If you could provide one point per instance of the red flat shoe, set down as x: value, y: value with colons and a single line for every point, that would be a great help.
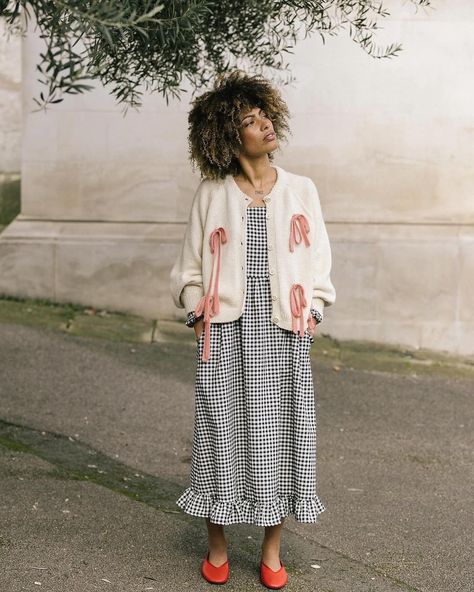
x: 213, y: 574
x: 271, y: 578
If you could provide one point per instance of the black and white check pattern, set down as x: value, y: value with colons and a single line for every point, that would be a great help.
x: 192, y: 319
x: 254, y: 445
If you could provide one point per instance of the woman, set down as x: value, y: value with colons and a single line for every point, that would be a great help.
x: 253, y: 275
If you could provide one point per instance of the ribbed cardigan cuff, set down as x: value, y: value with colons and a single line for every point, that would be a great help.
x: 191, y: 296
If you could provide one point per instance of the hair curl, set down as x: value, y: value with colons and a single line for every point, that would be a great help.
x: 213, y: 122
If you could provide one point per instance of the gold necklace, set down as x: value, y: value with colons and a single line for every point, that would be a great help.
x: 259, y: 191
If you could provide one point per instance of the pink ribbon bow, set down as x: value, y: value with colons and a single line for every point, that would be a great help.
x: 299, y: 228
x: 209, y: 303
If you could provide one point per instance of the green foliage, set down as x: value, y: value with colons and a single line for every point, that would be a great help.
x: 141, y: 44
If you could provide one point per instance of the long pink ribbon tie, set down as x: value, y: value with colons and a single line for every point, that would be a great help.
x: 209, y: 303
x: 297, y: 305
x: 299, y: 228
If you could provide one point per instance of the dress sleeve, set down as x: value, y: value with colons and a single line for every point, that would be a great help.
x: 192, y: 319
x: 318, y: 317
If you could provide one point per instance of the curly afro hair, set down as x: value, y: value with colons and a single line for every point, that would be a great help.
x: 214, y: 140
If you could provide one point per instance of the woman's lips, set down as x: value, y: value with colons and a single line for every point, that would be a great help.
x: 270, y: 137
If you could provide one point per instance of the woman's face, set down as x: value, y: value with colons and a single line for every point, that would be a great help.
x: 254, y: 128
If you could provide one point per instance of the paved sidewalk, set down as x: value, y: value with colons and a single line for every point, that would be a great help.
x: 95, y: 444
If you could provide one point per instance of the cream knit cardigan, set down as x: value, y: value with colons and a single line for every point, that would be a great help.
x: 209, y: 273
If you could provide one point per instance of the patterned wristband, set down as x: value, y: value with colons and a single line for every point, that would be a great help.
x: 193, y: 319
x: 318, y: 317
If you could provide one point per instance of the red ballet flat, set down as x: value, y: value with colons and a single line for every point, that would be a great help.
x: 271, y: 578
x: 213, y: 574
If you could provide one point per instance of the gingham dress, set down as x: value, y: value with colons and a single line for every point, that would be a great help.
x: 254, y: 446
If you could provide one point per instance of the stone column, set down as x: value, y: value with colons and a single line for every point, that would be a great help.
x: 104, y: 199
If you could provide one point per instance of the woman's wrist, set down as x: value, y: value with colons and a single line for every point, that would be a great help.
x: 198, y: 328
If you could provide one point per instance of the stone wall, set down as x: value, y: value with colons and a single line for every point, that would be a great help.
x: 105, y: 198
x: 10, y: 124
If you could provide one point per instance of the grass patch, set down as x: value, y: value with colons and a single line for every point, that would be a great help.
x: 76, y: 319
x: 87, y: 321
x: 370, y: 355
x: 76, y: 460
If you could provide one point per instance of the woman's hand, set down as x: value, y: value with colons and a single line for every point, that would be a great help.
x: 311, y: 325
x: 198, y: 328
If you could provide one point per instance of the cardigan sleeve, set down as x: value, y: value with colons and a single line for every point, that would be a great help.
x: 324, y: 293
x: 186, y: 283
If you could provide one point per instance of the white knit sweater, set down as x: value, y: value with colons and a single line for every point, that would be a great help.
x: 214, y: 243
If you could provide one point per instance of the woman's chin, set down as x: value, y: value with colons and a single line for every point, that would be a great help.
x: 271, y: 146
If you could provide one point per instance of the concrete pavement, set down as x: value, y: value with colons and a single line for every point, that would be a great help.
x: 95, y: 444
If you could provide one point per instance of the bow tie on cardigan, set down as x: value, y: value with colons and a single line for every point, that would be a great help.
x: 209, y: 304
x: 299, y: 228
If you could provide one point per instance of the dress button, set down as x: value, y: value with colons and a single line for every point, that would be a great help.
x: 276, y: 319
x: 274, y: 297
x: 269, y: 198
x: 271, y: 270
x: 270, y: 247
